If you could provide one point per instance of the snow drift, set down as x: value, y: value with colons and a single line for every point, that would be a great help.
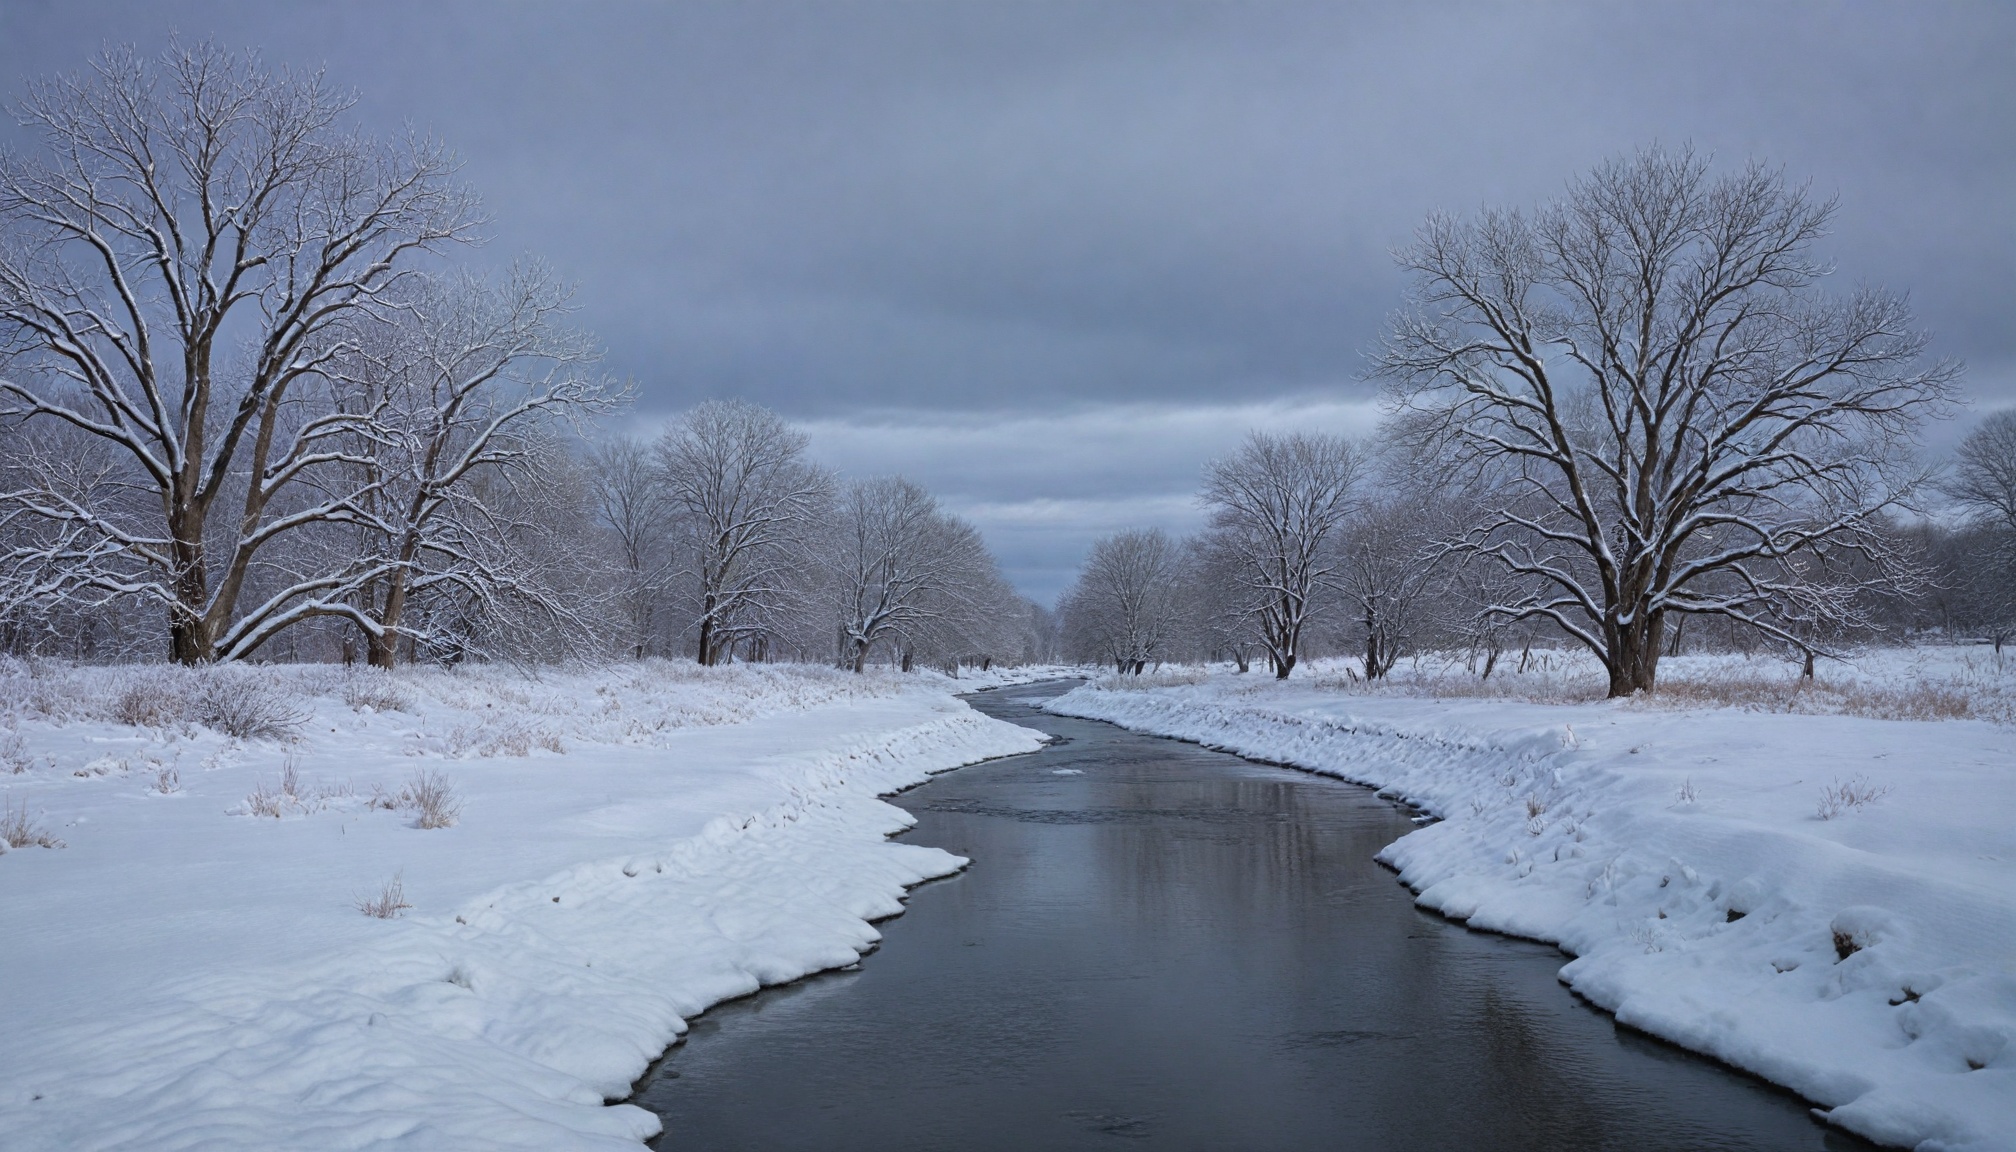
x: 191, y: 970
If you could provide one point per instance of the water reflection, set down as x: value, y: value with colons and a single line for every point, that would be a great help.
x: 1174, y: 948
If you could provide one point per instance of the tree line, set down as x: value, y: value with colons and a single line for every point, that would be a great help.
x: 1627, y: 421
x: 251, y: 407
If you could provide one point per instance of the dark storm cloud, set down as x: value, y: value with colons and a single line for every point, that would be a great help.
x: 938, y: 210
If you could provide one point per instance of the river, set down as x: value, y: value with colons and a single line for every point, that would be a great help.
x: 1159, y: 946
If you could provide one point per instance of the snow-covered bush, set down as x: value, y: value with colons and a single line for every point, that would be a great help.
x: 155, y: 698
x: 375, y: 690
x: 247, y: 704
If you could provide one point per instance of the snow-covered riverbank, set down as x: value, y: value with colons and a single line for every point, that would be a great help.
x: 631, y: 846
x: 1866, y: 961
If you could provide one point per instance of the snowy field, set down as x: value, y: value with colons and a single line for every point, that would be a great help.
x: 563, y: 868
x: 1772, y: 874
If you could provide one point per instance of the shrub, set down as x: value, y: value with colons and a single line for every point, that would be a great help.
x: 152, y: 700
x: 374, y: 690
x: 247, y: 705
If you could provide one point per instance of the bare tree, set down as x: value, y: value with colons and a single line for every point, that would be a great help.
x: 1276, y: 506
x: 906, y: 571
x: 1127, y: 602
x: 1389, y: 571
x: 168, y: 270
x: 1982, y: 559
x: 737, y: 476
x: 1215, y: 602
x: 1674, y: 419
x: 1983, y: 480
x: 465, y: 382
x: 630, y: 503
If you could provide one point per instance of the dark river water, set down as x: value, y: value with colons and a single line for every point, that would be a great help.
x: 1163, y: 947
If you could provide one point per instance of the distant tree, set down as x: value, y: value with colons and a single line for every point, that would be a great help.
x: 1389, y: 572
x: 1983, y: 480
x: 1126, y: 605
x: 1276, y: 507
x: 907, y: 572
x: 1215, y: 601
x: 630, y: 505
x: 1670, y: 417
x: 747, y: 502
x: 1981, y: 561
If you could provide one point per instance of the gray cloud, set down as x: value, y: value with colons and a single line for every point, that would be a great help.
x: 1045, y: 219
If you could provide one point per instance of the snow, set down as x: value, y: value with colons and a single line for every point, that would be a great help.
x: 182, y: 974
x: 1867, y: 962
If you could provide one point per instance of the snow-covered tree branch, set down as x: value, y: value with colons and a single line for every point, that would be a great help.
x: 173, y: 264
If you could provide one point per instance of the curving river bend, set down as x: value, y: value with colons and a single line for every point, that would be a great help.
x: 1159, y: 946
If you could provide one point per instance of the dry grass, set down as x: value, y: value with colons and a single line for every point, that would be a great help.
x: 1894, y: 684
x: 1840, y: 798
x: 1924, y: 700
x: 376, y: 691
x: 1168, y: 676
x: 429, y: 795
x: 292, y: 794
x: 388, y: 903
x: 20, y: 830
x: 433, y: 800
x: 14, y: 757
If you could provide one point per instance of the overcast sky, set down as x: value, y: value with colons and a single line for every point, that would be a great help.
x: 1048, y: 258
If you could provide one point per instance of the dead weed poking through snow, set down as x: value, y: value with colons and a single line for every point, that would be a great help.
x: 388, y: 903
x: 293, y: 794
x: 20, y: 830
x: 428, y: 795
x: 1843, y: 797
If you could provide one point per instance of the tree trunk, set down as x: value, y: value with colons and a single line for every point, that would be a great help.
x: 1634, y: 655
x: 707, y: 654
x: 189, y: 634
x: 382, y: 649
